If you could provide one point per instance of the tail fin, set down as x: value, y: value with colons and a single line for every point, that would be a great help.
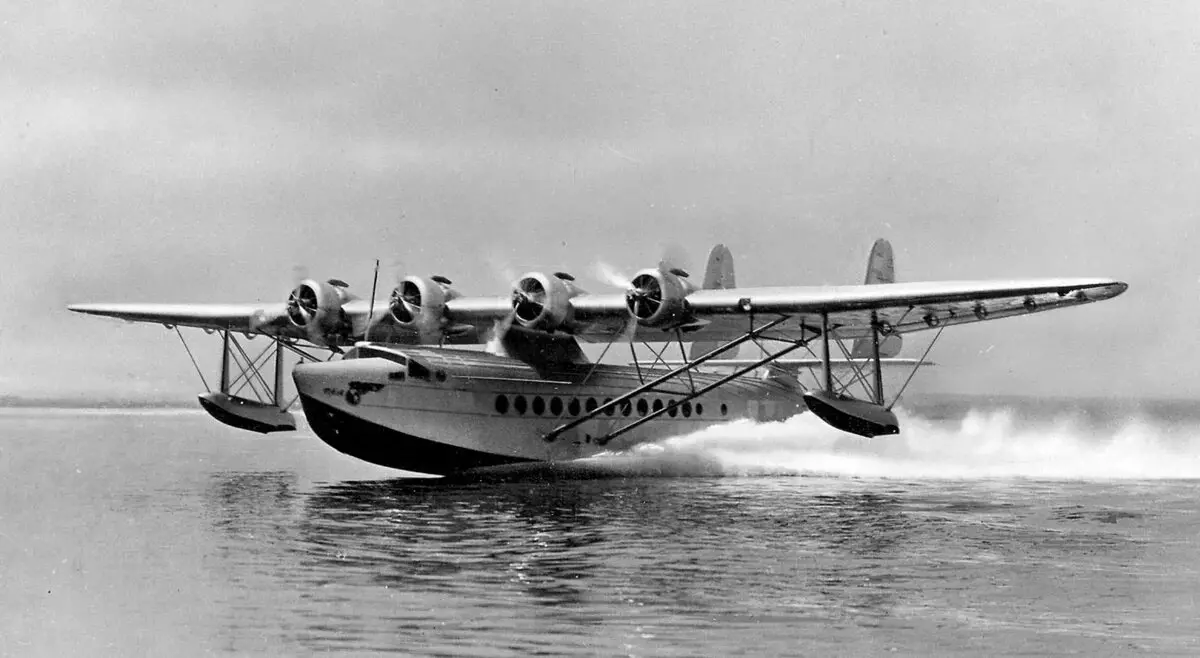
x: 881, y: 268
x: 718, y: 275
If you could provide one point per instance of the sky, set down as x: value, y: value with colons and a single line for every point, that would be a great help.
x: 203, y: 152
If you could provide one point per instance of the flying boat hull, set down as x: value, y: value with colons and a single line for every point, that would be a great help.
x: 452, y: 422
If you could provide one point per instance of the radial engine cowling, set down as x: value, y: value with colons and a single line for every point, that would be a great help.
x: 658, y: 298
x: 316, y: 307
x: 543, y: 301
x: 419, y: 304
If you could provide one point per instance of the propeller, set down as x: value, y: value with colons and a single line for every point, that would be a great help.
x: 405, y: 296
x: 644, y: 296
x: 302, y: 304
x: 495, y: 341
x: 674, y: 260
x: 529, y: 299
x: 609, y: 274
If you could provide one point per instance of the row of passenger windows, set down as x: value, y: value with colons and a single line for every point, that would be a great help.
x: 555, y: 406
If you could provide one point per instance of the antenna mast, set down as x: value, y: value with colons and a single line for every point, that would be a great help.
x: 371, y: 308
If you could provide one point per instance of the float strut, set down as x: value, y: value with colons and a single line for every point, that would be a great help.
x: 225, y: 361
x: 825, y: 353
x: 875, y: 354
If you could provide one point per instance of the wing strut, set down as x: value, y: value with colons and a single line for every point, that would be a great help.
x: 245, y: 398
x: 916, y: 367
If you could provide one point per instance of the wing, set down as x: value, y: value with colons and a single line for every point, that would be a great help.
x: 899, y: 307
x: 713, y: 315
x: 246, y: 318
x: 470, y: 319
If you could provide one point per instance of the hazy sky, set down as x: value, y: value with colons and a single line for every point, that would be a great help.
x: 199, y: 152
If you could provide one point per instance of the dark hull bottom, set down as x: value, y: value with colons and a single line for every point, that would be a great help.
x: 387, y: 447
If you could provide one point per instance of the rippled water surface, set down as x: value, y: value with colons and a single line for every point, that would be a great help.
x: 995, y: 531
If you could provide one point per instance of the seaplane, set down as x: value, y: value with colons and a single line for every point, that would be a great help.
x: 432, y: 381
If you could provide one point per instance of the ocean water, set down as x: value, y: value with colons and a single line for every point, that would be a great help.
x: 989, y: 527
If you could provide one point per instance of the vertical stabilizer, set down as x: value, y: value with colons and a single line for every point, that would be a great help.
x: 881, y: 268
x: 881, y: 264
x: 718, y: 275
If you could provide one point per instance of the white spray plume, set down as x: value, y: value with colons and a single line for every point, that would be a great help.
x: 983, y: 444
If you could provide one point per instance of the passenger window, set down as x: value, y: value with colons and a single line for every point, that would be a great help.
x: 642, y: 407
x: 658, y: 405
x: 556, y: 406
x: 699, y: 409
x: 672, y: 409
x: 611, y: 410
x: 519, y: 404
x: 573, y: 407
x: 724, y: 409
x: 440, y: 375
x: 539, y: 405
x: 502, y: 404
x: 626, y: 408
x: 687, y: 409
x: 397, y: 376
x: 591, y: 405
x: 418, y: 371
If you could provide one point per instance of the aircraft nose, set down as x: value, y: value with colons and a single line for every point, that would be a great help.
x: 329, y: 380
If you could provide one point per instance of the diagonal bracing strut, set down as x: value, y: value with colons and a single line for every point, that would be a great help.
x: 687, y: 367
x: 697, y: 393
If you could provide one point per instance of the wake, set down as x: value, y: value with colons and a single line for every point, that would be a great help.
x: 982, y: 444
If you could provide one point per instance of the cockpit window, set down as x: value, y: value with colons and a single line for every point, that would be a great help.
x: 418, y: 371
x: 373, y: 353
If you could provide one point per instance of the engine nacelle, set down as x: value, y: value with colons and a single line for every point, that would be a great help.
x: 658, y: 298
x: 543, y: 301
x: 316, y: 307
x: 419, y: 304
